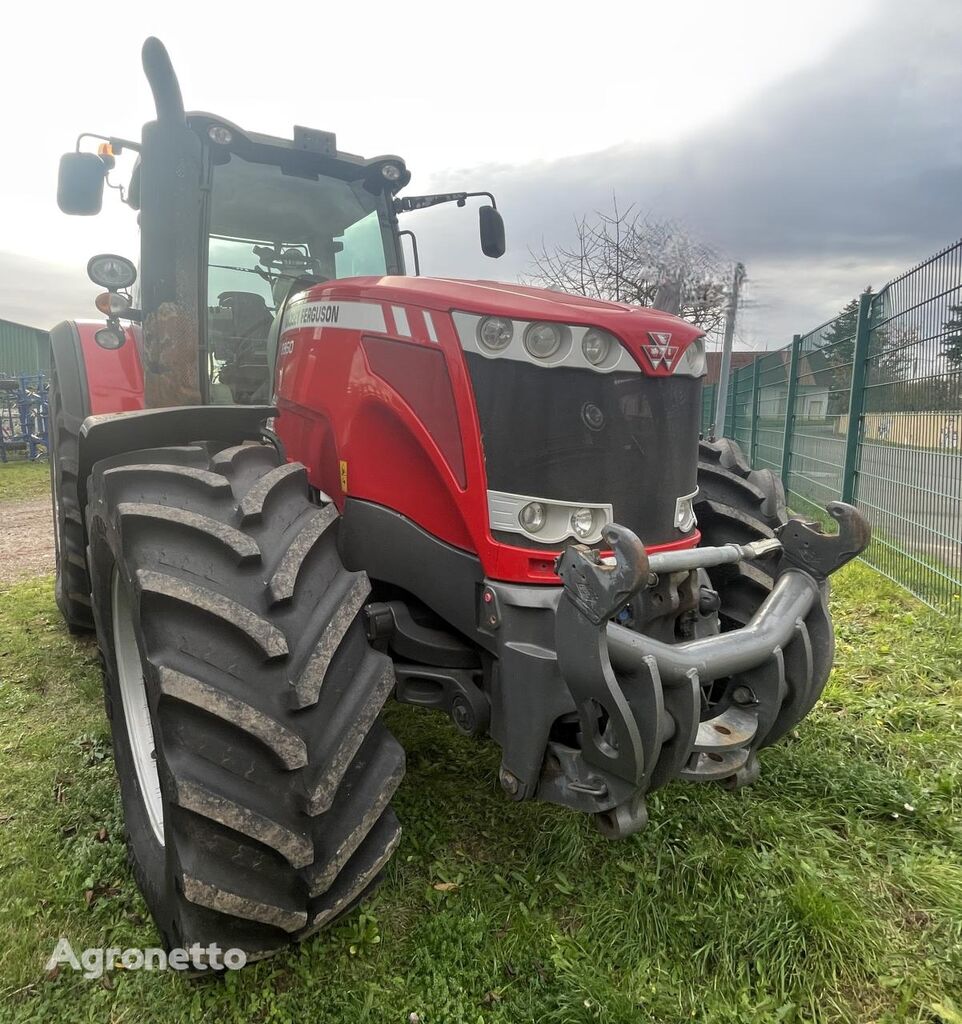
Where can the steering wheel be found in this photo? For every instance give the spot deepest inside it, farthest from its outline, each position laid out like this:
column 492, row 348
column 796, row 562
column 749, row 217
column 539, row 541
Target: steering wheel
column 290, row 262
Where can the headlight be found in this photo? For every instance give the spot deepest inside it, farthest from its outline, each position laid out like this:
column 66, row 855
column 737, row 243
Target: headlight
column 544, row 340
column 110, row 337
column 495, row 333
column 545, row 343
column 220, row 134
column 546, row 520
column 693, row 362
column 597, row 346
column 532, row 516
column 685, row 519
column 111, row 271
column 583, row 522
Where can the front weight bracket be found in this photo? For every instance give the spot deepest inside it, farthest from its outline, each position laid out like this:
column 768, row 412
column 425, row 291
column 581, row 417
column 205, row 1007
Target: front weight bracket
column 617, row 738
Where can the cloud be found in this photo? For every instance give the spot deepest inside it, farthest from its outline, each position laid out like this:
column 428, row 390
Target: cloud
column 41, row 294
column 842, row 175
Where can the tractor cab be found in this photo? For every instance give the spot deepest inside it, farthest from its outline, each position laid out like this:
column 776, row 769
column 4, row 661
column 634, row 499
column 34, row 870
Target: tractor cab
column 280, row 217
column 233, row 223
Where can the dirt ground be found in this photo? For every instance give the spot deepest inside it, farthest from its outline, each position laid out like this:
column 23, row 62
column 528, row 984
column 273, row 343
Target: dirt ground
column 26, row 539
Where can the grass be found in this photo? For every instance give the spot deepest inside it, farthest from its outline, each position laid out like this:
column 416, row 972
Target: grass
column 831, row 891
column 21, row 481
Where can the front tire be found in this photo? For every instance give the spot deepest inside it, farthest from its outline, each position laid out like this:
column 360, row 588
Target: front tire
column 737, row 504
column 244, row 697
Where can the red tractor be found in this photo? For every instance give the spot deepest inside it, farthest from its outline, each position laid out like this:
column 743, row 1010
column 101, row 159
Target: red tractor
column 291, row 481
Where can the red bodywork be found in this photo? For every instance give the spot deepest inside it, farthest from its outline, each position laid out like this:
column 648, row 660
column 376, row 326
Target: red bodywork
column 384, row 412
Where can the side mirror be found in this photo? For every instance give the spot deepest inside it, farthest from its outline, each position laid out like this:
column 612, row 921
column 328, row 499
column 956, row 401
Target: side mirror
column 492, row 232
column 80, row 183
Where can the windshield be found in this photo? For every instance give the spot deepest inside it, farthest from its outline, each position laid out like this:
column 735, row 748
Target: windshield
column 267, row 231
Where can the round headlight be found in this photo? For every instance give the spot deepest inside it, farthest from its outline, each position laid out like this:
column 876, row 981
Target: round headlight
column 220, row 134
column 583, row 522
column 693, row 362
column 495, row 333
column 532, row 516
column 110, row 337
column 543, row 340
column 390, row 172
column 111, row 271
column 597, row 346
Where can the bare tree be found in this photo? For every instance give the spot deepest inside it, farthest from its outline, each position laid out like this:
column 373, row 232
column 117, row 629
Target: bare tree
column 624, row 256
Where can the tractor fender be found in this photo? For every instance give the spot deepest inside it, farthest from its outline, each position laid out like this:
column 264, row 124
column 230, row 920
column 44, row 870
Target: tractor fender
column 109, row 434
column 66, row 356
column 93, row 379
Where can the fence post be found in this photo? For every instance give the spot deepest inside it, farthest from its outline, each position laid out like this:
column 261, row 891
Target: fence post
column 790, row 409
column 731, row 415
column 753, row 444
column 856, row 402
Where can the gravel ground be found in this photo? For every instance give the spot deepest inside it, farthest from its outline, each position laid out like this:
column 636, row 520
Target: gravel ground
column 26, row 539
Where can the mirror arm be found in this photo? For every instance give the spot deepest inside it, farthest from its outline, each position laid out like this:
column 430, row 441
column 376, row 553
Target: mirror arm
column 406, row 204
column 118, row 145
column 486, row 195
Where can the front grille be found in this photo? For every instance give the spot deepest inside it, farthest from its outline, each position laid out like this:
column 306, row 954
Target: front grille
column 576, row 435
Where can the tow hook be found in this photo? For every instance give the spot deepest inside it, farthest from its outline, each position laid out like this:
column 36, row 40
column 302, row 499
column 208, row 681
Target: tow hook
column 805, row 547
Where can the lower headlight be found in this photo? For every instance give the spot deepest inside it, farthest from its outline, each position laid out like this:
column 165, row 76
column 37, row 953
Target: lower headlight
column 583, row 522
column 532, row 516
column 685, row 519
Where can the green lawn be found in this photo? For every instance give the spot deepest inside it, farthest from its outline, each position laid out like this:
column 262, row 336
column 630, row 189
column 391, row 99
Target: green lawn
column 832, row 891
column 21, row 481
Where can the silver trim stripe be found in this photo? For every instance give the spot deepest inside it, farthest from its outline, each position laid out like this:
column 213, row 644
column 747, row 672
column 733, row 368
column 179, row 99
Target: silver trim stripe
column 429, row 324
column 401, row 321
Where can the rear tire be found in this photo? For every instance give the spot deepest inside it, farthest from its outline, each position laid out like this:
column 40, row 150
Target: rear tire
column 72, row 586
column 220, row 600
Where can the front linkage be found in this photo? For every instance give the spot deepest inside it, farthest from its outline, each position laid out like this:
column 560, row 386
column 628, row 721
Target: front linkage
column 699, row 710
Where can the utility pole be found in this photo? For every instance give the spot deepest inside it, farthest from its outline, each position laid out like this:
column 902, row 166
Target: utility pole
column 726, row 360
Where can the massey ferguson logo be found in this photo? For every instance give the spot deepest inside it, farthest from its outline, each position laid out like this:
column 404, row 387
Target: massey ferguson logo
column 659, row 350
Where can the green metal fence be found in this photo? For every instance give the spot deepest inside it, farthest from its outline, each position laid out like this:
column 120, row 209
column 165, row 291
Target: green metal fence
column 868, row 408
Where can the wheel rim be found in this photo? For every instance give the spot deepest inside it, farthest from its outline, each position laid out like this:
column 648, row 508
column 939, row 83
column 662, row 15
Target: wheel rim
column 133, row 696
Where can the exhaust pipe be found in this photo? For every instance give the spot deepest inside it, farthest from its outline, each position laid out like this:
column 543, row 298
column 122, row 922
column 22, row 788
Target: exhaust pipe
column 171, row 242
column 162, row 80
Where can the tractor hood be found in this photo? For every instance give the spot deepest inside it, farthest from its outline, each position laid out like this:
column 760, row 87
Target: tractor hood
column 632, row 324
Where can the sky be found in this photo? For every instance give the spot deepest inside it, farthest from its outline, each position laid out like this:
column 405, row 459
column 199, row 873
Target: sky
column 817, row 143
